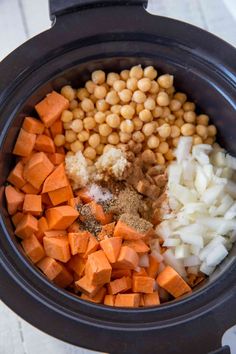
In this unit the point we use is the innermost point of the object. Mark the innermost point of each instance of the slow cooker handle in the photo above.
(61, 7)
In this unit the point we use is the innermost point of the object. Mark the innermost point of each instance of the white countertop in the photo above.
(22, 19)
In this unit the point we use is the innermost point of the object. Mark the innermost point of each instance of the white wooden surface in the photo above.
(22, 19)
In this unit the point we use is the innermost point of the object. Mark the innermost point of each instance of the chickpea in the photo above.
(125, 95)
(187, 129)
(68, 92)
(132, 84)
(144, 84)
(67, 146)
(153, 142)
(137, 123)
(202, 131)
(82, 93)
(160, 159)
(157, 112)
(169, 155)
(197, 140)
(202, 119)
(99, 149)
(150, 104)
(94, 140)
(98, 77)
(78, 113)
(90, 86)
(154, 87)
(189, 117)
(175, 105)
(138, 137)
(83, 136)
(148, 129)
(139, 107)
(116, 108)
(123, 147)
(127, 111)
(100, 117)
(179, 113)
(127, 126)
(100, 92)
(163, 147)
(145, 115)
(119, 85)
(209, 140)
(160, 122)
(212, 131)
(67, 125)
(112, 77)
(137, 148)
(139, 96)
(124, 137)
(89, 123)
(150, 72)
(164, 130)
(175, 142)
(180, 97)
(113, 120)
(104, 129)
(102, 105)
(136, 71)
(59, 140)
(124, 74)
(112, 97)
(165, 81)
(163, 99)
(89, 162)
(77, 146)
(170, 118)
(113, 138)
(89, 153)
(69, 153)
(175, 131)
(179, 122)
(66, 116)
(107, 147)
(73, 104)
(170, 91)
(87, 105)
(70, 136)
(189, 106)
(165, 112)
(77, 125)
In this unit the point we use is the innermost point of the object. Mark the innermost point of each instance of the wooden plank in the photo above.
(11, 27)
(35, 15)
(11, 338)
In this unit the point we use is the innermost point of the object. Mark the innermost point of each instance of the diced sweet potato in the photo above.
(14, 199)
(99, 214)
(54, 233)
(46, 200)
(61, 217)
(57, 248)
(84, 195)
(55, 272)
(93, 245)
(47, 132)
(60, 150)
(172, 282)
(56, 158)
(127, 300)
(84, 284)
(57, 179)
(37, 169)
(151, 299)
(64, 278)
(44, 143)
(138, 245)
(78, 241)
(75, 227)
(32, 125)
(119, 285)
(98, 268)
(119, 273)
(56, 128)
(109, 300)
(33, 248)
(98, 298)
(16, 176)
(107, 230)
(24, 143)
(61, 195)
(16, 218)
(152, 270)
(51, 107)
(142, 284)
(127, 232)
(74, 202)
(29, 189)
(77, 264)
(42, 227)
(27, 226)
(111, 246)
(32, 204)
(140, 272)
(128, 258)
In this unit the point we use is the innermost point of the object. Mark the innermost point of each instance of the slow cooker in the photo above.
(113, 35)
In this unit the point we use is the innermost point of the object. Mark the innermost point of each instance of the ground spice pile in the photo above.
(89, 222)
(137, 223)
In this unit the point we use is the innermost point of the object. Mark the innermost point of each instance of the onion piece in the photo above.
(230, 161)
(192, 261)
(177, 264)
(231, 212)
(183, 149)
(171, 242)
(182, 251)
(144, 260)
(204, 268)
(218, 253)
(211, 194)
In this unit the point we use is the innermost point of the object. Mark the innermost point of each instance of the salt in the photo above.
(98, 193)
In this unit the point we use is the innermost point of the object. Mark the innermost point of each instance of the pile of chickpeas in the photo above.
(136, 110)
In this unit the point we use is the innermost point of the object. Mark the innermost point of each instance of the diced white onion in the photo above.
(171, 242)
(144, 260)
(182, 251)
(219, 252)
(177, 264)
(192, 261)
(183, 149)
(231, 161)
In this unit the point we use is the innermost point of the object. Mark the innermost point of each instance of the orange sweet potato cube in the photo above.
(55, 271)
(16, 176)
(98, 269)
(32, 204)
(84, 284)
(128, 259)
(57, 248)
(151, 299)
(32, 125)
(172, 282)
(127, 300)
(119, 285)
(111, 246)
(98, 298)
(109, 300)
(143, 284)
(33, 248)
(78, 241)
(27, 226)
(60, 195)
(77, 264)
(61, 217)
(24, 144)
(39, 162)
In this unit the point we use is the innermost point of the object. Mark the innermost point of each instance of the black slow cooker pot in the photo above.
(112, 35)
